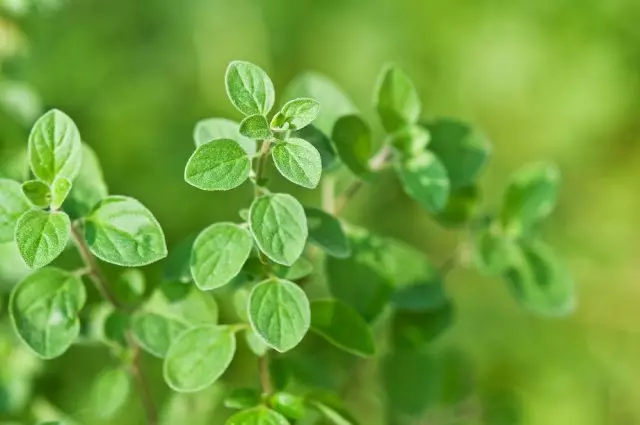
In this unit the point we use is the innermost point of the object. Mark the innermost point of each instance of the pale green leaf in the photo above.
(37, 192)
(211, 129)
(44, 309)
(326, 232)
(42, 236)
(410, 140)
(218, 254)
(334, 103)
(255, 127)
(298, 113)
(463, 151)
(298, 161)
(298, 270)
(342, 326)
(530, 197)
(255, 343)
(88, 188)
(279, 227)
(120, 230)
(13, 204)
(243, 398)
(249, 88)
(279, 313)
(198, 357)
(289, 405)
(60, 189)
(110, 392)
(396, 100)
(55, 147)
(219, 165)
(353, 141)
(257, 416)
(424, 178)
(155, 332)
(491, 250)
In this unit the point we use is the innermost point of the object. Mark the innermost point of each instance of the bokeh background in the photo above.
(557, 80)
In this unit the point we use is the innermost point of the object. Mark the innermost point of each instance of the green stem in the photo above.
(102, 285)
(265, 375)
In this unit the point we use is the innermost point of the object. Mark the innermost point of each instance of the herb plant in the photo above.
(295, 274)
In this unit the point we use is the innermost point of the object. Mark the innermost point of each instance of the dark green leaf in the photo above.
(326, 232)
(242, 398)
(352, 139)
(130, 286)
(424, 178)
(178, 265)
(322, 143)
(461, 206)
(410, 382)
(257, 416)
(396, 100)
(342, 326)
(416, 329)
(116, 327)
(219, 165)
(410, 140)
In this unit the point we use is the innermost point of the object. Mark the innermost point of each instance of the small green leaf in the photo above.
(219, 165)
(255, 127)
(300, 269)
(334, 103)
(155, 332)
(326, 232)
(55, 147)
(409, 381)
(37, 192)
(249, 88)
(463, 151)
(414, 330)
(298, 161)
(396, 100)
(110, 392)
(279, 227)
(178, 265)
(279, 313)
(60, 189)
(461, 206)
(198, 357)
(322, 143)
(424, 178)
(116, 326)
(13, 204)
(130, 285)
(42, 236)
(211, 129)
(410, 140)
(88, 188)
(491, 250)
(255, 343)
(299, 113)
(331, 407)
(353, 141)
(539, 281)
(257, 416)
(342, 326)
(289, 405)
(120, 230)
(243, 398)
(218, 254)
(530, 197)
(44, 310)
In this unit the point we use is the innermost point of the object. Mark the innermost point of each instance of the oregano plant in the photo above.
(310, 295)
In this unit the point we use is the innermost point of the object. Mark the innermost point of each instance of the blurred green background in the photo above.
(557, 80)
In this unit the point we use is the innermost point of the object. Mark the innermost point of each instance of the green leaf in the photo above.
(463, 150)
(491, 250)
(289, 405)
(255, 343)
(424, 178)
(300, 269)
(326, 232)
(88, 188)
(279, 227)
(155, 332)
(55, 147)
(396, 100)
(130, 285)
(249, 88)
(44, 310)
(416, 329)
(42, 236)
(120, 230)
(410, 382)
(110, 392)
(539, 281)
(279, 313)
(322, 143)
(410, 140)
(331, 407)
(178, 265)
(257, 416)
(298, 113)
(242, 398)
(334, 103)
(116, 326)
(220, 165)
(353, 141)
(13, 204)
(255, 127)
(530, 197)
(298, 161)
(198, 357)
(218, 254)
(37, 192)
(211, 129)
(461, 206)
(502, 407)
(60, 189)
(342, 326)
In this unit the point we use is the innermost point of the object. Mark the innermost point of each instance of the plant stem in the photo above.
(265, 375)
(377, 162)
(261, 164)
(329, 194)
(102, 285)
